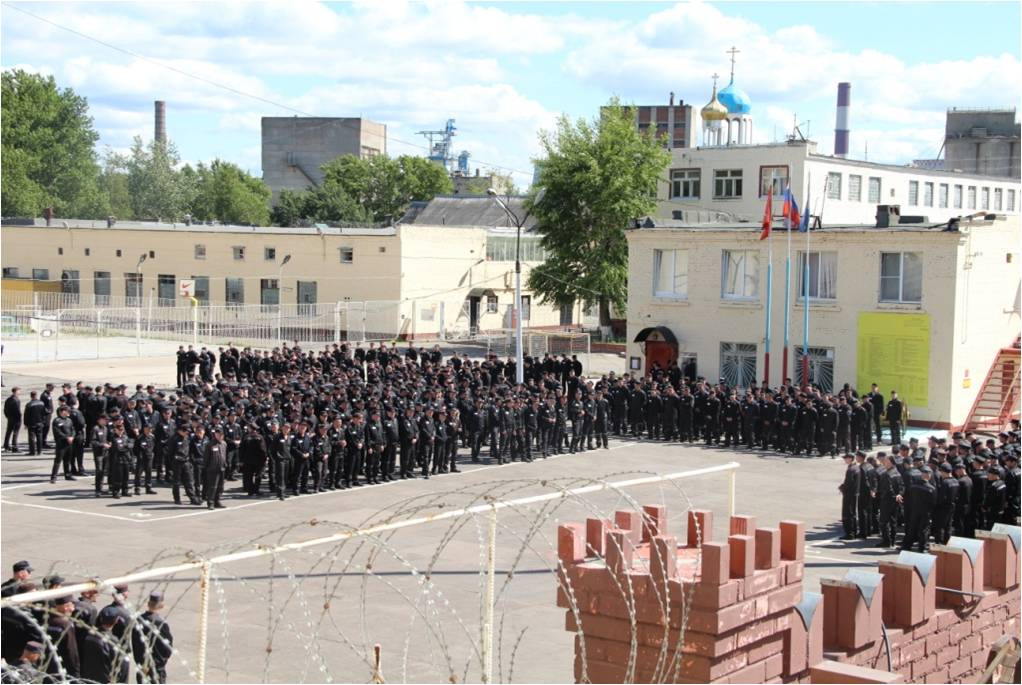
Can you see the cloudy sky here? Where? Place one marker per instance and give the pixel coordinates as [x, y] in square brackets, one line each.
[504, 71]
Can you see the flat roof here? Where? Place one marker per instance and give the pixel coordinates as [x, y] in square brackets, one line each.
[100, 224]
[655, 224]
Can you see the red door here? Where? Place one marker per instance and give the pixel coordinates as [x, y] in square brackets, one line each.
[662, 353]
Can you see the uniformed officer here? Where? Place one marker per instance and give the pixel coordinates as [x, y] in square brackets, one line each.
[280, 455]
[960, 524]
[850, 489]
[995, 499]
[121, 459]
[890, 489]
[320, 457]
[408, 429]
[895, 417]
[947, 500]
[355, 439]
[101, 660]
[145, 450]
[35, 420]
[392, 431]
[100, 440]
[63, 443]
[152, 642]
[867, 495]
[376, 443]
[183, 474]
[215, 468]
[922, 496]
[301, 453]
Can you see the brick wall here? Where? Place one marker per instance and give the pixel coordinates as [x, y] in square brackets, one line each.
[647, 609]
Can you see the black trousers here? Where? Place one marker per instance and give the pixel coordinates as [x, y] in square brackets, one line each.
[251, 478]
[865, 518]
[374, 454]
[78, 454]
[119, 476]
[888, 521]
[100, 466]
[64, 454]
[352, 464]
[300, 477]
[143, 471]
[182, 476]
[876, 427]
[214, 486]
[849, 508]
[35, 439]
[408, 457]
[281, 471]
[389, 458]
[47, 423]
[11, 435]
[942, 525]
[895, 432]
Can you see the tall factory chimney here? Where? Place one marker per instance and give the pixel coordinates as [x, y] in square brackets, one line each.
[160, 135]
[844, 99]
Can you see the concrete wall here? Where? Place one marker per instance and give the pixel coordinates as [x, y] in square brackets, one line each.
[311, 142]
[808, 175]
[704, 319]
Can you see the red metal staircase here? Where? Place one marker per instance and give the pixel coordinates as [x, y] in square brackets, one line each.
[998, 399]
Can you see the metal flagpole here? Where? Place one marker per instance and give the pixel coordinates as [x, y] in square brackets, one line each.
[805, 297]
[769, 307]
[787, 303]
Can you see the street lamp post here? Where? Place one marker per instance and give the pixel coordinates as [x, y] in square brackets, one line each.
[519, 356]
[138, 302]
[280, 294]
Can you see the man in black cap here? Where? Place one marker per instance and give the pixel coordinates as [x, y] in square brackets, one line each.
[26, 667]
[280, 456]
[995, 498]
[180, 454]
[145, 451]
[947, 500]
[977, 520]
[215, 468]
[12, 412]
[63, 637]
[100, 441]
[22, 574]
[152, 642]
[895, 417]
[409, 432]
[960, 522]
[121, 457]
[63, 444]
[922, 496]
[867, 495]
[35, 419]
[252, 456]
[889, 489]
[850, 489]
[376, 443]
[1012, 477]
[102, 659]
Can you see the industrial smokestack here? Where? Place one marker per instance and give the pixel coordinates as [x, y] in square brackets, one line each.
[844, 100]
[160, 135]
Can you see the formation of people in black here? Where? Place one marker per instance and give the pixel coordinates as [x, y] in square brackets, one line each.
[950, 487]
[75, 639]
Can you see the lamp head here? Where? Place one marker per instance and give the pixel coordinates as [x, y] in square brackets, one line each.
[491, 192]
[287, 258]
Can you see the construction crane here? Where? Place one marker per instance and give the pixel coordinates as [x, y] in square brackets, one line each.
[440, 144]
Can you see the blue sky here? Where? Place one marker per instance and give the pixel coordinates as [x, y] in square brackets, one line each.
[505, 71]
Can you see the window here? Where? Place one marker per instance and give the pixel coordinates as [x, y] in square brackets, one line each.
[269, 292]
[901, 277]
[201, 289]
[101, 287]
[739, 275]
[874, 189]
[821, 368]
[942, 195]
[834, 186]
[998, 198]
[491, 304]
[727, 183]
[738, 364]
[526, 307]
[347, 255]
[501, 248]
[239, 253]
[234, 293]
[971, 198]
[270, 254]
[60, 250]
[200, 251]
[118, 253]
[70, 285]
[133, 289]
[773, 179]
[984, 198]
[670, 273]
[152, 254]
[40, 274]
[913, 193]
[307, 298]
[685, 183]
[958, 197]
[822, 275]
[928, 194]
[166, 290]
[88, 252]
[854, 188]
[1011, 201]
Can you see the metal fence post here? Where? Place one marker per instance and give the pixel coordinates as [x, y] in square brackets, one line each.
[56, 339]
[731, 476]
[337, 321]
[200, 660]
[486, 646]
[138, 331]
[99, 330]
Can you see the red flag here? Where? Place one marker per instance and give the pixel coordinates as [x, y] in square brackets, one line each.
[767, 216]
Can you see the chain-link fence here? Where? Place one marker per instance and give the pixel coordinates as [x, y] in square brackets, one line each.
[454, 586]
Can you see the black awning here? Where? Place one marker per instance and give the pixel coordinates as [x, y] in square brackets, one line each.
[664, 331]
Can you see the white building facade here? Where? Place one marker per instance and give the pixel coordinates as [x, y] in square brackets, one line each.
[921, 311]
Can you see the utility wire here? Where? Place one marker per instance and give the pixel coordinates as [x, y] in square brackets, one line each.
[222, 86]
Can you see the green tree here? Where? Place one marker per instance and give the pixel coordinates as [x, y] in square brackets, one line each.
[48, 158]
[224, 192]
[597, 176]
[158, 190]
[385, 187]
[113, 182]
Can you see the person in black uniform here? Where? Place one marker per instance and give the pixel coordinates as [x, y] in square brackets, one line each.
[301, 454]
[12, 412]
[850, 489]
[889, 489]
[408, 429]
[750, 421]
[895, 415]
[180, 458]
[827, 432]
[35, 419]
[63, 444]
[731, 418]
[232, 437]
[24, 668]
[279, 449]
[121, 459]
[320, 457]
[876, 405]
[101, 660]
[355, 437]
[601, 423]
[1012, 477]
[46, 397]
[197, 459]
[960, 522]
[152, 642]
[252, 455]
[867, 494]
[215, 468]
[376, 443]
[995, 499]
[977, 519]
[62, 639]
[686, 418]
[145, 449]
[947, 500]
[710, 414]
[922, 497]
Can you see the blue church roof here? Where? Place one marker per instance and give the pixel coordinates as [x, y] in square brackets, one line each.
[735, 99]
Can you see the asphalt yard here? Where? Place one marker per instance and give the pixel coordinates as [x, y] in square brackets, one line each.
[316, 612]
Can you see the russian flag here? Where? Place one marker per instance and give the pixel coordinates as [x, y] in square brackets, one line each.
[790, 211]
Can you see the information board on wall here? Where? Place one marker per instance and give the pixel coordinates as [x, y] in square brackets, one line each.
[894, 353]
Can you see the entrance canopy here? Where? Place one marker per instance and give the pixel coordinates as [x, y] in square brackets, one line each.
[658, 334]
